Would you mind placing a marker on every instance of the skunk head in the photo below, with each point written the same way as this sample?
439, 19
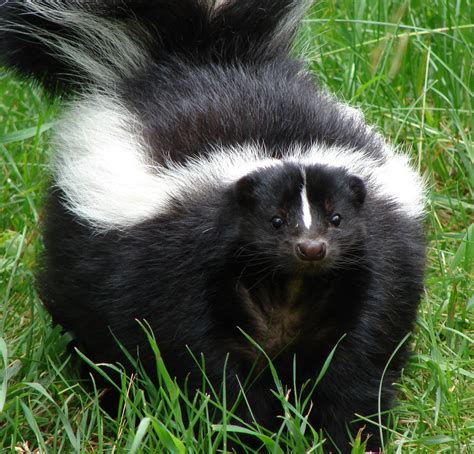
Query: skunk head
302, 219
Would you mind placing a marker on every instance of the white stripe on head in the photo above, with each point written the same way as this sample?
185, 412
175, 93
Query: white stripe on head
306, 209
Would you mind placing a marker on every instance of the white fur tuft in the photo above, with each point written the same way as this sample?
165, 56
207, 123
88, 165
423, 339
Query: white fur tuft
106, 50
305, 207
101, 165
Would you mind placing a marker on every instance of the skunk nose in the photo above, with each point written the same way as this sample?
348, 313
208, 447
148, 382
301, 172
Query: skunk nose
311, 250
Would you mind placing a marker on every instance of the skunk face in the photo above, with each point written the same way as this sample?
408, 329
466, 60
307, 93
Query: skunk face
303, 219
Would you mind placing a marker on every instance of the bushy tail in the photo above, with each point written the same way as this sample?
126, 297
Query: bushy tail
73, 43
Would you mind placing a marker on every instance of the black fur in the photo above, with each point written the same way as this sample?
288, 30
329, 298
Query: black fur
214, 264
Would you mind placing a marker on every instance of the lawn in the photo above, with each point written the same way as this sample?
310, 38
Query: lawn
408, 66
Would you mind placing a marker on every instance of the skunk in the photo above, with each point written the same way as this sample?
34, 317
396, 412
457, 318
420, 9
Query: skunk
203, 182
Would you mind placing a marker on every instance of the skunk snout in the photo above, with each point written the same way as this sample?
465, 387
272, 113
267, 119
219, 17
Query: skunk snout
311, 250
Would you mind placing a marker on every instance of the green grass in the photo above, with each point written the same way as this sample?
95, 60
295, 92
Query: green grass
408, 65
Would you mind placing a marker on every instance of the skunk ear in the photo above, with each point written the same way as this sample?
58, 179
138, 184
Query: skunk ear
357, 187
245, 189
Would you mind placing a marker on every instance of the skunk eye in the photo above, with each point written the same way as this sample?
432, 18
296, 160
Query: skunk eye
335, 220
277, 222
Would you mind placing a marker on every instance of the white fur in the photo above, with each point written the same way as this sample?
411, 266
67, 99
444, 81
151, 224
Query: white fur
106, 51
306, 209
102, 165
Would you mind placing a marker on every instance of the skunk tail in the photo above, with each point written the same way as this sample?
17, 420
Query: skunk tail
74, 44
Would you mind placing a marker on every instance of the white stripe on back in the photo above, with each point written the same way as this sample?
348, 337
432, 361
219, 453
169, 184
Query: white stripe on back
108, 178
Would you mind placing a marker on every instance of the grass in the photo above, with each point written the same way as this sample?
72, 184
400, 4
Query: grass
408, 65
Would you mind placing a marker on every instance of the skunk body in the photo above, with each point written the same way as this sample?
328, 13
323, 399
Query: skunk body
203, 183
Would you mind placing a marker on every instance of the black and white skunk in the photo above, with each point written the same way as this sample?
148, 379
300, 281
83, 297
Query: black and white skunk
203, 183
